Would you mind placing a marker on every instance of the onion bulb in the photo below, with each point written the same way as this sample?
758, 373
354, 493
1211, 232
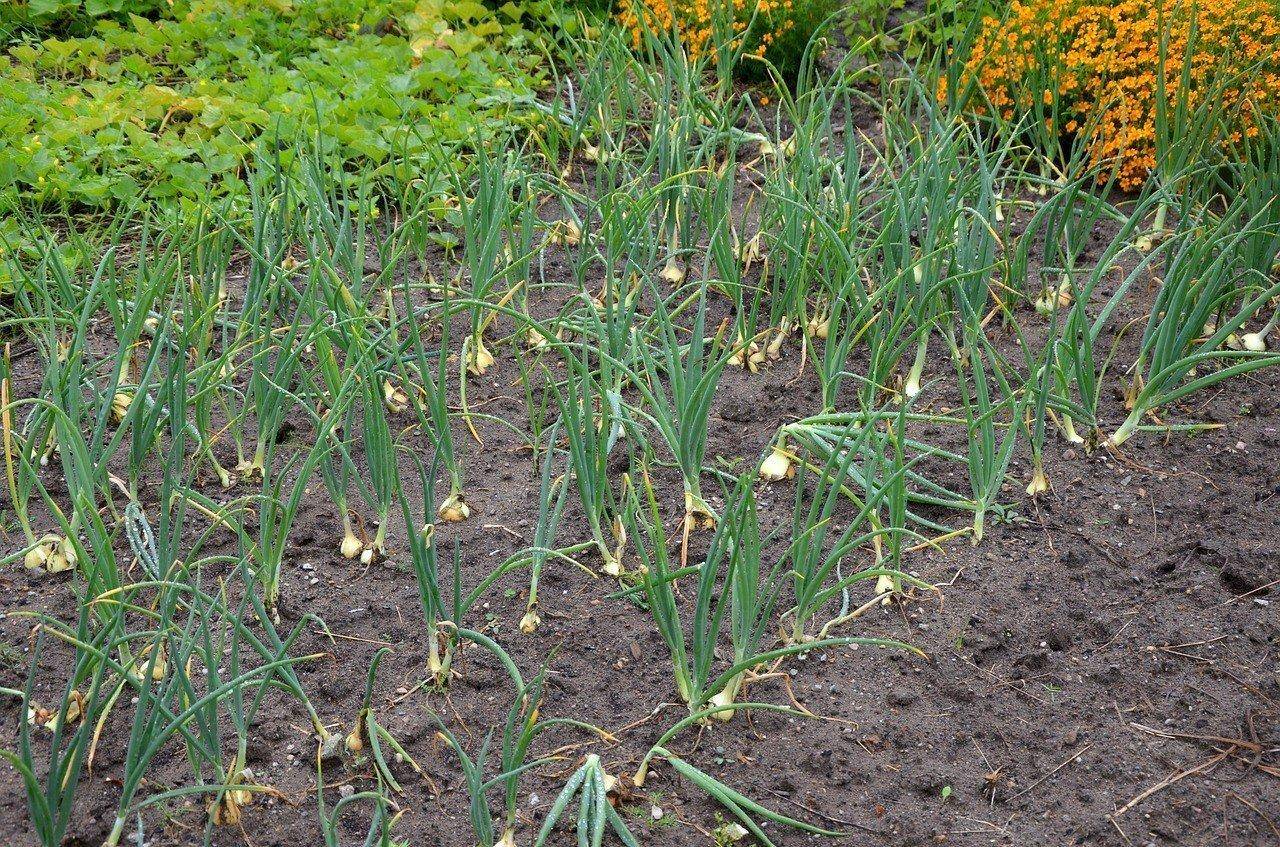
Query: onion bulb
508, 839
613, 559
886, 586
394, 397
749, 251
330, 745
454, 509
1051, 299
49, 718
565, 232
697, 515
610, 781
350, 546
723, 699
912, 386
1039, 482
64, 558
52, 553
819, 327
593, 153
38, 556
672, 273
746, 354
37, 715
774, 348
538, 341
355, 738
778, 466
479, 359
1254, 342
1069, 431
530, 621
158, 667
1257, 342
120, 403
225, 810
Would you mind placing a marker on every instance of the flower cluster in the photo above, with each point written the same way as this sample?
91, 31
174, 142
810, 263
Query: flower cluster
1095, 64
761, 22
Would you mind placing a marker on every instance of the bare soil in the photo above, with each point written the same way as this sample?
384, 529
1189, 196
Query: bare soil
1104, 669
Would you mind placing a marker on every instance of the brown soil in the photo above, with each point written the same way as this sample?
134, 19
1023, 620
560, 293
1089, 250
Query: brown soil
1103, 669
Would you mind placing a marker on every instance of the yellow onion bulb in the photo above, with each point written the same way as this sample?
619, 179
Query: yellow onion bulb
778, 465
454, 509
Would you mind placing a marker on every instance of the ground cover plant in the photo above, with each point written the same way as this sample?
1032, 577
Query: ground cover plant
108, 103
678, 423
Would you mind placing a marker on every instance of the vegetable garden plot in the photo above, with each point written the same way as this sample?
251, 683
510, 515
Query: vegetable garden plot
673, 468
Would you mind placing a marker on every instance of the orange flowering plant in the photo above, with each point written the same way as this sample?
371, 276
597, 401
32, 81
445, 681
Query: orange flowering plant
1105, 71
778, 30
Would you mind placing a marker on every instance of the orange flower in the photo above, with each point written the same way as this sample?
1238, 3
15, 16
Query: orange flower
695, 23
1106, 63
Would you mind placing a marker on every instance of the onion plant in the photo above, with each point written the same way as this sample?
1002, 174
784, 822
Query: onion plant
486, 214
381, 822
380, 455
279, 499
553, 493
1205, 283
368, 732
678, 390
271, 367
86, 442
429, 398
809, 176
1189, 133
726, 265
816, 552
675, 152
424, 556
827, 435
51, 786
442, 612
590, 784
617, 253
594, 421
989, 452
205, 321
522, 726
133, 309
19, 446
928, 186
1063, 224
745, 810
693, 655
745, 601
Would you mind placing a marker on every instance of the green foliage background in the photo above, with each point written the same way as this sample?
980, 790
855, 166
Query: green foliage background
109, 101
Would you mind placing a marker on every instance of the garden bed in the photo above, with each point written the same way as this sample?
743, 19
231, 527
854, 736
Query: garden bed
1103, 668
